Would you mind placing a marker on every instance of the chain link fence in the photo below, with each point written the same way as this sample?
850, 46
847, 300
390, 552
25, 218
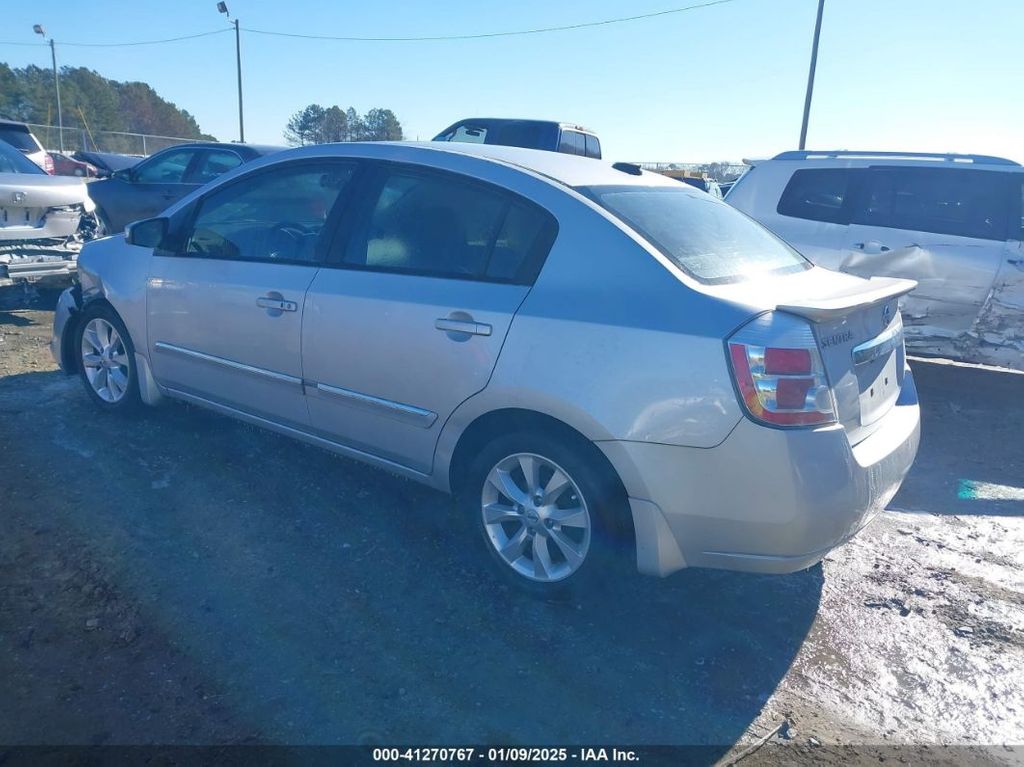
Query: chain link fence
118, 142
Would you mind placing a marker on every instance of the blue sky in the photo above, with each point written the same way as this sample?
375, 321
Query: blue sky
717, 83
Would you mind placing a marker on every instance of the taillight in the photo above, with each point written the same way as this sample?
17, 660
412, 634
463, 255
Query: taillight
48, 165
779, 374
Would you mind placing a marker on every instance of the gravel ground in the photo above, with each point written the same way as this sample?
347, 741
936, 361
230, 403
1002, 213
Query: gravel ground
182, 578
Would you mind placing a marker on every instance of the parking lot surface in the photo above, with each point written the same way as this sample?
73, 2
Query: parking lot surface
183, 578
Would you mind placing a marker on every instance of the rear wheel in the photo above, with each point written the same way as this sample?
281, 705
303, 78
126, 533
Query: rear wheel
107, 360
546, 511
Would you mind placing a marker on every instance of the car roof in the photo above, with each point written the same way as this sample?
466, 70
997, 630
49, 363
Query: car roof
866, 158
565, 169
254, 150
15, 124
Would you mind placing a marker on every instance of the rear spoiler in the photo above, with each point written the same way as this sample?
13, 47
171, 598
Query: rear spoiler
834, 305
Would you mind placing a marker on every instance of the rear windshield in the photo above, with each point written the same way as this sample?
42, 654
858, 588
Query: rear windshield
13, 161
705, 237
18, 137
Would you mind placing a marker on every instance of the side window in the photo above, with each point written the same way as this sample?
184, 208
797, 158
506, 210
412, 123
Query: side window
470, 134
593, 146
275, 215
963, 203
168, 168
817, 195
571, 143
444, 226
213, 163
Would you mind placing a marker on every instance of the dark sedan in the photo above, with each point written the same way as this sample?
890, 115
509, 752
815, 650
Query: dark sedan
146, 189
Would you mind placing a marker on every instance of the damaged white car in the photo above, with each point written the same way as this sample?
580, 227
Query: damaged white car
953, 223
43, 220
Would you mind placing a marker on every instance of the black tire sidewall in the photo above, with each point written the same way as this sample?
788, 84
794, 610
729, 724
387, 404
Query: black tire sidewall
131, 400
599, 493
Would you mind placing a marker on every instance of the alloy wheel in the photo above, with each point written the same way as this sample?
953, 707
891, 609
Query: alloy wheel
536, 517
105, 360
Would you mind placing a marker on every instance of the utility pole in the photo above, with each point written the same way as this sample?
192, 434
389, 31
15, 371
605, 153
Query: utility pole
810, 76
223, 8
238, 61
38, 29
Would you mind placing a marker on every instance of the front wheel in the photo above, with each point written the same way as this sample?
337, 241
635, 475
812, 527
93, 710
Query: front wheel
107, 360
546, 509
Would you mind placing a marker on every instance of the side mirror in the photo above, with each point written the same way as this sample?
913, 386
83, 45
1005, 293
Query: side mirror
124, 174
148, 233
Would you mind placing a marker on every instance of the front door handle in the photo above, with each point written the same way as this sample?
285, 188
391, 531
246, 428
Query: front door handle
276, 303
872, 247
462, 326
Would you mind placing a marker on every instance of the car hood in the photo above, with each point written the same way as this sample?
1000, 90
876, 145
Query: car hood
41, 191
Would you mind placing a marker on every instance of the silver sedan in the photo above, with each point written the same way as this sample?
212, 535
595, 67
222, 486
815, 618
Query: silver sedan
592, 358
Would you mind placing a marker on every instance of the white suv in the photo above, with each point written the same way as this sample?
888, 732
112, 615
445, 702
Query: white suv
951, 222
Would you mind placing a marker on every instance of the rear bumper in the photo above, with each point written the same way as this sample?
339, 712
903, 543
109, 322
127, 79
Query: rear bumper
55, 224
765, 500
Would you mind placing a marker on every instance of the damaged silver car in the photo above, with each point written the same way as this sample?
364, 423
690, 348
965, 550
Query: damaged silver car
951, 222
43, 220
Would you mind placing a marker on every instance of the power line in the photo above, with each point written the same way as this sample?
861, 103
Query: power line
122, 45
410, 39
484, 35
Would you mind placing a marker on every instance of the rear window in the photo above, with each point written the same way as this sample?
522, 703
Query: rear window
19, 137
13, 161
817, 195
959, 202
706, 238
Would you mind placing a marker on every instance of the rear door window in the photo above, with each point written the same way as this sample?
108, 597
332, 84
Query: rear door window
959, 202
705, 237
820, 194
213, 163
442, 225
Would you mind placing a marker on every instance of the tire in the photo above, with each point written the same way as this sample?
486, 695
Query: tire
105, 356
556, 542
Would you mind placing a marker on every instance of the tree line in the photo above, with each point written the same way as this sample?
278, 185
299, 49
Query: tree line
91, 101
315, 124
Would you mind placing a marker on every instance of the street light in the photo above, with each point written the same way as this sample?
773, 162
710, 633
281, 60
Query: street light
38, 29
223, 8
810, 76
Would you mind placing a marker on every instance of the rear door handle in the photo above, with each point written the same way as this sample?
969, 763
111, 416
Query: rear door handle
462, 326
276, 303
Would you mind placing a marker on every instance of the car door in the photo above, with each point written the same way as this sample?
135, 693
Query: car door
150, 187
408, 316
225, 298
945, 228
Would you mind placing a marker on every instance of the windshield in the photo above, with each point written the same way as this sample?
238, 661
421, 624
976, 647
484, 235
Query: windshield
705, 237
13, 161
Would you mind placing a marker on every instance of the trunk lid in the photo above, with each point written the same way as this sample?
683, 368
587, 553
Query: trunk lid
859, 333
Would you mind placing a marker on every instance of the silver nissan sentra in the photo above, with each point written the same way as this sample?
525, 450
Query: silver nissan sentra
590, 357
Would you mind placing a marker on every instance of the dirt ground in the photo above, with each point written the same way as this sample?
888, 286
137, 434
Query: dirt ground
180, 578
